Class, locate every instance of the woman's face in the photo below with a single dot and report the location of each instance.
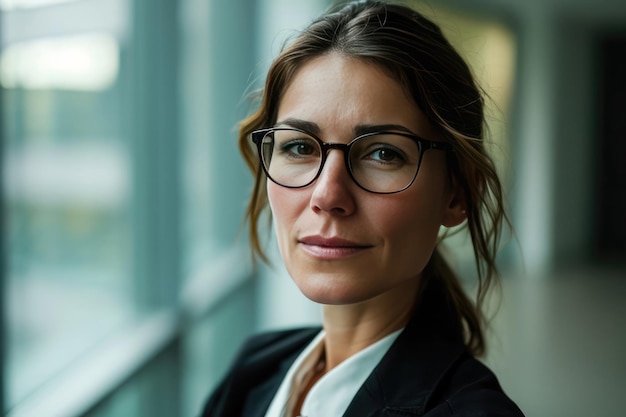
(340, 243)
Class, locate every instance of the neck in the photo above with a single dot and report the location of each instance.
(351, 328)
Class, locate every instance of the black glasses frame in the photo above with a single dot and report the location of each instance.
(422, 144)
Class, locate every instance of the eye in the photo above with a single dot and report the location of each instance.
(385, 155)
(384, 151)
(298, 148)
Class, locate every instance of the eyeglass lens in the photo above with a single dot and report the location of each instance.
(382, 163)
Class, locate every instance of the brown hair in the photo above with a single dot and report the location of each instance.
(413, 51)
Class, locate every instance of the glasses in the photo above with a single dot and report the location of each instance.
(379, 162)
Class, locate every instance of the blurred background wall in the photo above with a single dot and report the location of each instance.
(127, 283)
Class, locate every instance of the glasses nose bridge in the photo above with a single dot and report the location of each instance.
(343, 147)
(327, 146)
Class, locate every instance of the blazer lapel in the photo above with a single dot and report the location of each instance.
(261, 396)
(274, 360)
(403, 382)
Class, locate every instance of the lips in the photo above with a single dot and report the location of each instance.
(330, 242)
(329, 248)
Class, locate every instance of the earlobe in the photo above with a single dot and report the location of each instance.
(455, 215)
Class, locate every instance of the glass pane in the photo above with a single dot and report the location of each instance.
(24, 4)
(67, 181)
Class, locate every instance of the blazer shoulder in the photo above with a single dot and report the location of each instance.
(275, 342)
(263, 339)
(259, 358)
(472, 389)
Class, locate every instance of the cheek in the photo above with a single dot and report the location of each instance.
(277, 202)
(285, 207)
(273, 196)
(411, 228)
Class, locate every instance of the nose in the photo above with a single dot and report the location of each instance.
(333, 189)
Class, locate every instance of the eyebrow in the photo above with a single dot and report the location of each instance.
(305, 125)
(358, 130)
(364, 129)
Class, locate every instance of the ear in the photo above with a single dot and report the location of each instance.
(456, 211)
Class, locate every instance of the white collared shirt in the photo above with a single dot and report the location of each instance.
(332, 394)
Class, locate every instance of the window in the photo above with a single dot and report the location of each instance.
(67, 173)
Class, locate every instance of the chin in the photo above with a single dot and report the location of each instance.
(332, 290)
(332, 299)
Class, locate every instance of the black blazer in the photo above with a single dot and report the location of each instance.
(426, 372)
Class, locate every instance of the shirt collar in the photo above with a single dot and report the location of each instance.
(332, 394)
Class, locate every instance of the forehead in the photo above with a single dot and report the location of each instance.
(338, 92)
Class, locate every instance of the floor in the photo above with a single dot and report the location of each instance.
(558, 343)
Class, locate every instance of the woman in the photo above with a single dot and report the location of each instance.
(362, 101)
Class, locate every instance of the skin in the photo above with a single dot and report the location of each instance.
(368, 282)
